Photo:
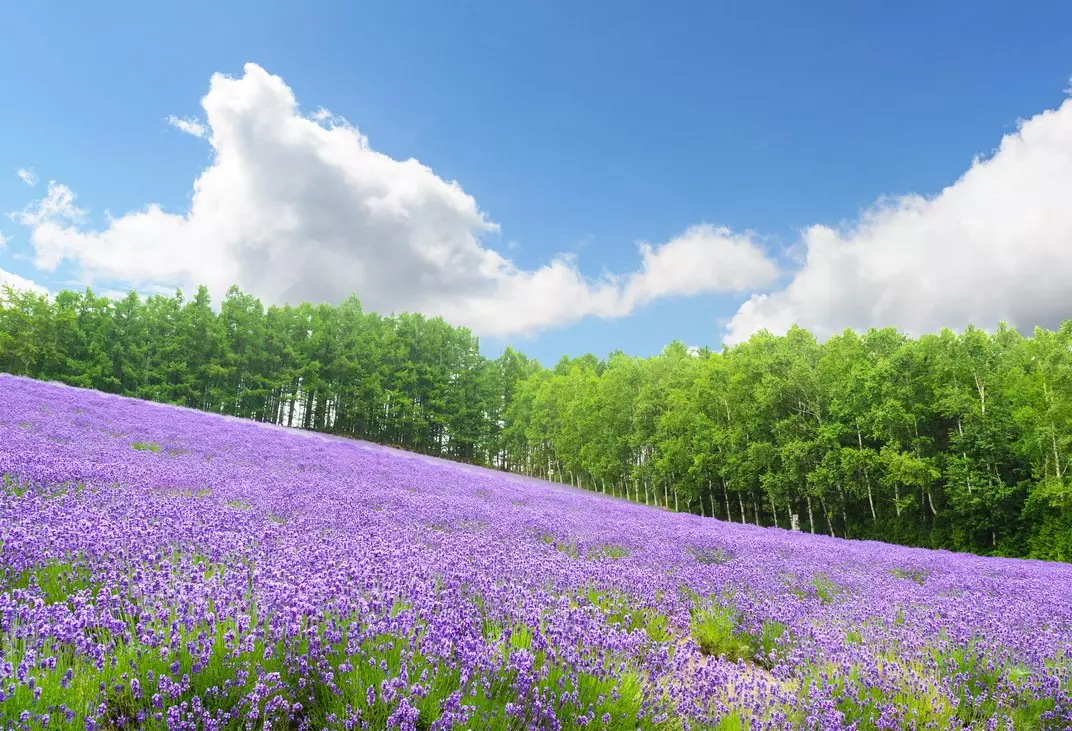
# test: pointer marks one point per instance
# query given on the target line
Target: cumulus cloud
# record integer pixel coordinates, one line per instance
(27, 176)
(703, 259)
(995, 245)
(300, 207)
(19, 283)
(188, 125)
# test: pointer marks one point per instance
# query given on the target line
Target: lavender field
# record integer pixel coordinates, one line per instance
(164, 568)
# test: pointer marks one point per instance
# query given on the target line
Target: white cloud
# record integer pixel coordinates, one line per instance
(57, 205)
(27, 176)
(703, 259)
(995, 245)
(297, 208)
(20, 283)
(188, 125)
(14, 280)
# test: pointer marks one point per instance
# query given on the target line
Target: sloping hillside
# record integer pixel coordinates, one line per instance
(162, 567)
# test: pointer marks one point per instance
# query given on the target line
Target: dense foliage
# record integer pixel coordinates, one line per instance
(166, 568)
(959, 441)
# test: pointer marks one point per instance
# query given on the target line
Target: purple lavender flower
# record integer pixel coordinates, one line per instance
(287, 570)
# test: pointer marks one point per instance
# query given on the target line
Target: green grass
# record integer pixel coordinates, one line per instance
(76, 681)
(570, 549)
(820, 587)
(718, 630)
(57, 581)
(715, 629)
(592, 553)
(915, 689)
(912, 574)
(145, 446)
(618, 691)
(825, 589)
(185, 492)
(567, 547)
(772, 644)
(622, 611)
(15, 486)
(711, 556)
(218, 656)
(918, 688)
(919, 704)
(610, 552)
(982, 678)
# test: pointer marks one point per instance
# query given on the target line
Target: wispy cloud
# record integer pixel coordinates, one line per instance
(189, 125)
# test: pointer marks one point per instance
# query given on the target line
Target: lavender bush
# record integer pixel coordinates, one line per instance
(164, 568)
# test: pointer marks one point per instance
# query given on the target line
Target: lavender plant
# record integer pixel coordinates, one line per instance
(165, 568)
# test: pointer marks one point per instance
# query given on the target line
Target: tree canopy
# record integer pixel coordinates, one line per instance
(949, 440)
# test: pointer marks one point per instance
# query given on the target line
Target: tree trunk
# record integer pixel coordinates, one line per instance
(897, 498)
(826, 512)
(844, 513)
(794, 522)
(774, 511)
(867, 478)
(811, 515)
(740, 499)
(960, 430)
(726, 494)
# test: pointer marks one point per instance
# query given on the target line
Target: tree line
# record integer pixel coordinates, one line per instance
(949, 440)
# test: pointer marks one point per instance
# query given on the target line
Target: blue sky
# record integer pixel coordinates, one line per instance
(583, 129)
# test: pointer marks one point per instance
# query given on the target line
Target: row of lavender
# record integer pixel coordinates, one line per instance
(163, 568)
